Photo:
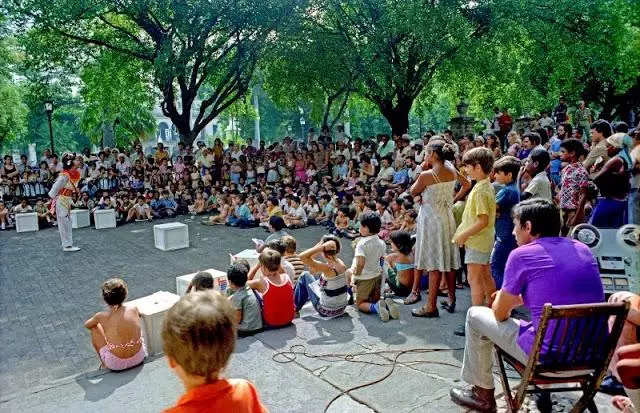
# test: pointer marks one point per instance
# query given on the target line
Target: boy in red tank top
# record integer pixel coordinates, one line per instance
(276, 289)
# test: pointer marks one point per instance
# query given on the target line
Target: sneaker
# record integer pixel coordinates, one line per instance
(2, 226)
(382, 311)
(70, 249)
(393, 308)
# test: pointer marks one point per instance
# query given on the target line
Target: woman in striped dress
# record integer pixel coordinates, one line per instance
(328, 290)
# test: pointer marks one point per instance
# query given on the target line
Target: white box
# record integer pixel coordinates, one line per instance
(27, 221)
(220, 281)
(104, 218)
(171, 236)
(153, 308)
(80, 218)
(249, 255)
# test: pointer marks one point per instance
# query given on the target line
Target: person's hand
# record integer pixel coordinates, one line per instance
(459, 240)
(329, 245)
(492, 298)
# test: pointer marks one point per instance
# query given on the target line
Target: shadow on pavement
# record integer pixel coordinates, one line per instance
(102, 386)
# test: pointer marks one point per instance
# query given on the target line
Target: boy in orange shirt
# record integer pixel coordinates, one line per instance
(199, 335)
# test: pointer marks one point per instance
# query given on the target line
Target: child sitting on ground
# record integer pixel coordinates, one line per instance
(401, 268)
(365, 273)
(199, 335)
(291, 257)
(276, 289)
(243, 300)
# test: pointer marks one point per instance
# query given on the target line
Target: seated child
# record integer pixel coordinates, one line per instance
(297, 216)
(116, 334)
(366, 270)
(45, 218)
(199, 335)
(401, 264)
(200, 282)
(276, 289)
(140, 211)
(244, 301)
(4, 216)
(292, 258)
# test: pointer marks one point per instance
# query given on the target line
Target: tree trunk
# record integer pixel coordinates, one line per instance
(397, 115)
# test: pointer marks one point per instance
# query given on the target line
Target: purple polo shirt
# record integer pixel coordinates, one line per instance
(552, 270)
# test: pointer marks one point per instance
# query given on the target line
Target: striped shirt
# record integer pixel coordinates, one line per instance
(298, 265)
(333, 295)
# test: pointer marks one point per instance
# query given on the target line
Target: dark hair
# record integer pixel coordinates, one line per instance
(202, 281)
(114, 291)
(543, 215)
(534, 137)
(333, 238)
(603, 127)
(403, 240)
(296, 199)
(237, 274)
(568, 129)
(542, 157)
(508, 164)
(443, 150)
(371, 220)
(620, 126)
(573, 145)
(67, 161)
(479, 156)
(276, 222)
(277, 245)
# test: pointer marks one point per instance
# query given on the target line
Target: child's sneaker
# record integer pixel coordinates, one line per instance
(382, 311)
(2, 226)
(393, 308)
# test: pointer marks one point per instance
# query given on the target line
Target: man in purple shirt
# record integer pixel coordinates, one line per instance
(545, 268)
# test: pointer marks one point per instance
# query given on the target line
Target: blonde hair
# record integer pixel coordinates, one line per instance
(199, 333)
(290, 244)
(270, 259)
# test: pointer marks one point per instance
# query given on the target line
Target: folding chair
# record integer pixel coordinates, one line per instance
(580, 351)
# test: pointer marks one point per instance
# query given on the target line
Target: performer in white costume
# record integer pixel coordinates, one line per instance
(65, 185)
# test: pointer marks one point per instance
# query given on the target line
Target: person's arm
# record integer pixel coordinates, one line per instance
(479, 225)
(94, 321)
(317, 266)
(465, 186)
(424, 179)
(257, 285)
(253, 271)
(614, 164)
(359, 265)
(238, 316)
(504, 303)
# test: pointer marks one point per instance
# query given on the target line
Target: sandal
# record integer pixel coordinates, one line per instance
(623, 404)
(421, 312)
(443, 293)
(459, 286)
(451, 308)
(412, 298)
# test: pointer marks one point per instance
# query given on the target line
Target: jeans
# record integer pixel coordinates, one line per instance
(634, 206)
(482, 332)
(306, 291)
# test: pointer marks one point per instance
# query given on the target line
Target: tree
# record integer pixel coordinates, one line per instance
(188, 44)
(399, 46)
(116, 89)
(13, 111)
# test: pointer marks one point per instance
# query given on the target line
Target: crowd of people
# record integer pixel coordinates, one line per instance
(492, 207)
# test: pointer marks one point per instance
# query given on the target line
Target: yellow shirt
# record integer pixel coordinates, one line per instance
(481, 201)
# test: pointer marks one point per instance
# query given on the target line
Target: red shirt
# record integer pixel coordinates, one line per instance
(278, 309)
(233, 395)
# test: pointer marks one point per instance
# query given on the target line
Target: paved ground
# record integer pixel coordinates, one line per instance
(48, 365)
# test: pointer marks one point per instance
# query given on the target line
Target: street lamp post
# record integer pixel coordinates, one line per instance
(48, 108)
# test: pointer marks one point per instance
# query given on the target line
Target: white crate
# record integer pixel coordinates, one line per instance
(27, 221)
(173, 236)
(249, 255)
(104, 218)
(80, 218)
(220, 281)
(153, 308)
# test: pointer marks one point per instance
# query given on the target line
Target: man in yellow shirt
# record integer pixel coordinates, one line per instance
(477, 229)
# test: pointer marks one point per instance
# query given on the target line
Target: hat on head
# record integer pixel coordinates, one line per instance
(616, 140)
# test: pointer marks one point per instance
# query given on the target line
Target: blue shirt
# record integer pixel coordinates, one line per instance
(244, 212)
(556, 164)
(401, 176)
(506, 198)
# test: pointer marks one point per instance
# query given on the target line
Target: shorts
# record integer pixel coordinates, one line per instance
(368, 290)
(396, 286)
(472, 256)
(115, 363)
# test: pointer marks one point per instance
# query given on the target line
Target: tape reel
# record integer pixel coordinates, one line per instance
(628, 238)
(588, 235)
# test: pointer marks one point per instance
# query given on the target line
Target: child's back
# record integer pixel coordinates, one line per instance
(244, 299)
(278, 305)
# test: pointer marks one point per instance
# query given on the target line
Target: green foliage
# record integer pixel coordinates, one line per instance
(12, 109)
(117, 89)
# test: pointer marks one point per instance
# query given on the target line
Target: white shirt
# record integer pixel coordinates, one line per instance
(300, 213)
(373, 249)
(540, 187)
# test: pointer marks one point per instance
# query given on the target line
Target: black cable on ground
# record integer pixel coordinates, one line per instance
(294, 351)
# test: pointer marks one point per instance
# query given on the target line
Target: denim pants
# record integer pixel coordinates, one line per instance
(306, 290)
(482, 332)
